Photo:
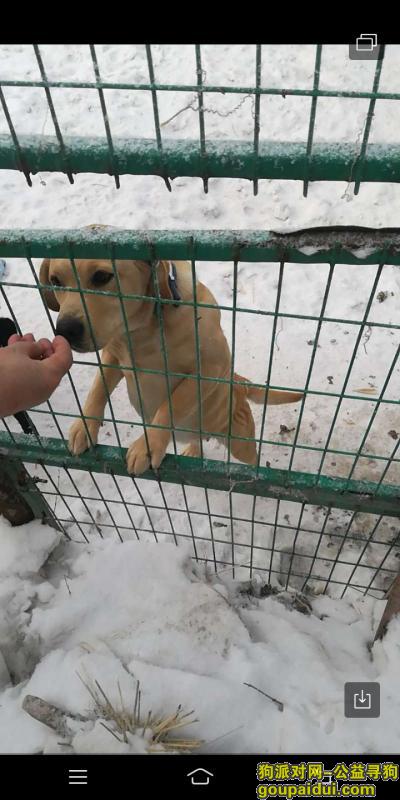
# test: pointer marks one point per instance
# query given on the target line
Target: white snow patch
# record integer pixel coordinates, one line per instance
(23, 549)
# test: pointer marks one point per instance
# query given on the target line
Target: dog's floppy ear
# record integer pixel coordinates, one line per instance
(47, 295)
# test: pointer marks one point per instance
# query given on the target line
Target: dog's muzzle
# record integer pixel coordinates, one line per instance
(72, 329)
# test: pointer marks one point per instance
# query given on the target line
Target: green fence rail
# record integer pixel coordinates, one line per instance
(377, 499)
(227, 159)
(297, 487)
(345, 244)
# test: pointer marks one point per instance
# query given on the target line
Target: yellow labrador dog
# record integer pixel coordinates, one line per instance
(172, 281)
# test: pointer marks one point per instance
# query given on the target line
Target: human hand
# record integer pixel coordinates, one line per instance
(30, 371)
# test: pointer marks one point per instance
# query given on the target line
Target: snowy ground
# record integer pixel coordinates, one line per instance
(120, 612)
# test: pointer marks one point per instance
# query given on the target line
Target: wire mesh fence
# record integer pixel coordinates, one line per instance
(317, 508)
(258, 156)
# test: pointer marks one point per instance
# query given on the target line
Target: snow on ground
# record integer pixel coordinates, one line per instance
(136, 610)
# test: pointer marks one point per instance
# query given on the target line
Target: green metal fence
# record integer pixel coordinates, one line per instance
(326, 551)
(255, 159)
(313, 529)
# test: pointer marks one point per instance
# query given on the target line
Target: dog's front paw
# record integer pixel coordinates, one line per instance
(141, 454)
(78, 440)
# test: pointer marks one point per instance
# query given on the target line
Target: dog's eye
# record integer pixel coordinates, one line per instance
(55, 281)
(101, 277)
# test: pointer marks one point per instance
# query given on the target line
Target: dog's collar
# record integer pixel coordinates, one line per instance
(172, 283)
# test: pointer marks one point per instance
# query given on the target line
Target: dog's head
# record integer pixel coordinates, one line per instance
(87, 320)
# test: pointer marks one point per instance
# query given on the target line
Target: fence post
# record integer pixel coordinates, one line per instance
(392, 608)
(20, 499)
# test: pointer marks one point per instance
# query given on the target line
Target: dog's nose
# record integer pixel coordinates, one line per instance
(72, 329)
